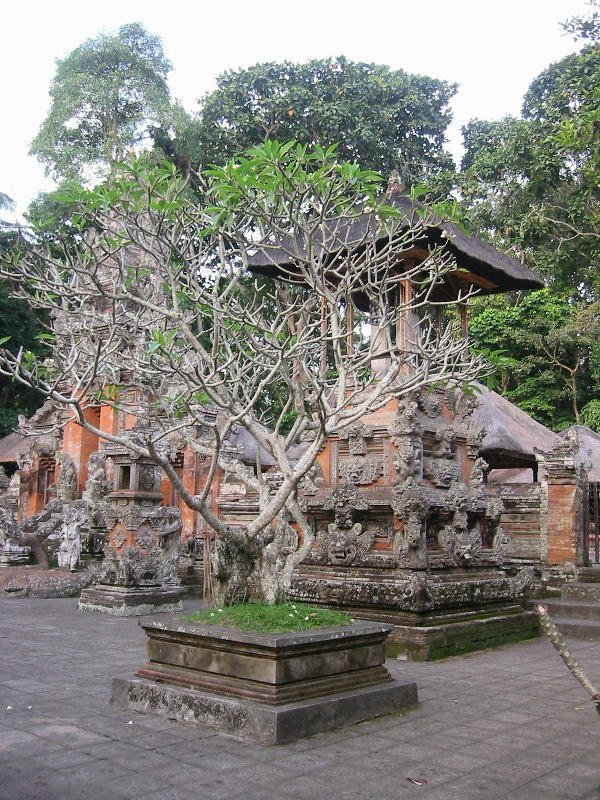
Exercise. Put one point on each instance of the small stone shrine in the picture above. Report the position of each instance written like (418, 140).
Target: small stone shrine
(139, 571)
(404, 533)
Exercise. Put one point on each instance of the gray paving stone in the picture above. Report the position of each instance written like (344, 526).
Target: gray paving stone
(499, 724)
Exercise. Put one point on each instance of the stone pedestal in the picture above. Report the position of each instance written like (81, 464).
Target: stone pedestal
(126, 601)
(13, 554)
(270, 688)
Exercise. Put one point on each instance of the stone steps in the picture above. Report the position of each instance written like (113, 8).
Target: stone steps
(589, 574)
(578, 609)
(577, 613)
(588, 629)
(584, 592)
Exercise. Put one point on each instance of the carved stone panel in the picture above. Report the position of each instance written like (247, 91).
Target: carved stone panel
(360, 470)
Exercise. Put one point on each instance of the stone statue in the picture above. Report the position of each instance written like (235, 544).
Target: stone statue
(67, 480)
(69, 551)
(8, 525)
(96, 486)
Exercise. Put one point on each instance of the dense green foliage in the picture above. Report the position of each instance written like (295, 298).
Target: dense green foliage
(382, 119)
(555, 345)
(533, 186)
(19, 326)
(279, 618)
(533, 183)
(105, 95)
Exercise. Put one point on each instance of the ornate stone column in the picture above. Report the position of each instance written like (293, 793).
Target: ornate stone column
(139, 571)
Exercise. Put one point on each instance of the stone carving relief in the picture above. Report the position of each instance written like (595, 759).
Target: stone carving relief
(344, 546)
(442, 444)
(415, 593)
(411, 505)
(441, 472)
(430, 403)
(461, 543)
(478, 472)
(464, 405)
(313, 480)
(145, 539)
(524, 580)
(406, 421)
(407, 463)
(132, 566)
(147, 478)
(356, 435)
(475, 437)
(96, 486)
(343, 501)
(69, 551)
(118, 538)
(361, 470)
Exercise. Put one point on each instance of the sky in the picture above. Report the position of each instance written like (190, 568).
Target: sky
(493, 50)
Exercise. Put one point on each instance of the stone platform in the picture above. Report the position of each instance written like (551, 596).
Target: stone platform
(271, 688)
(260, 722)
(436, 635)
(121, 601)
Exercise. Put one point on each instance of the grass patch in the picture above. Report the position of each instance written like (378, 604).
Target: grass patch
(280, 618)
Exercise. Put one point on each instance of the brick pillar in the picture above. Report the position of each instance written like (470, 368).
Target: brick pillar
(566, 478)
(79, 443)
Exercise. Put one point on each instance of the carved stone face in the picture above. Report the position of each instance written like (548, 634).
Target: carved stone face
(147, 478)
(343, 546)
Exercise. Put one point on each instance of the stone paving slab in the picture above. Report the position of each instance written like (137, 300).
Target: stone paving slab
(510, 723)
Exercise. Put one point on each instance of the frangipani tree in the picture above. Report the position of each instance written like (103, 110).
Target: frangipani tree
(160, 287)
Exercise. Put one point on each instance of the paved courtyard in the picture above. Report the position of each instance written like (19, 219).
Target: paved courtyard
(509, 723)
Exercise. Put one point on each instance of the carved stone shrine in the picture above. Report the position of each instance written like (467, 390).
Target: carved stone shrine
(404, 533)
(139, 572)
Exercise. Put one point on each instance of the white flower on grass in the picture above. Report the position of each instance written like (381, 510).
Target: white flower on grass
(305, 617)
(290, 615)
(212, 613)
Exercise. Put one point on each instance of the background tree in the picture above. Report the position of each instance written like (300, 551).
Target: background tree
(19, 327)
(156, 289)
(533, 184)
(105, 96)
(381, 118)
(554, 344)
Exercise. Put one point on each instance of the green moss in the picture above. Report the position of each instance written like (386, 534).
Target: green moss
(280, 618)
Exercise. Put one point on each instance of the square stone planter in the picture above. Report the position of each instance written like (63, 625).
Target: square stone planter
(269, 687)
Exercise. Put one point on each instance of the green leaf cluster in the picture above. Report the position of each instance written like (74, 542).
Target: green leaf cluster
(105, 96)
(381, 119)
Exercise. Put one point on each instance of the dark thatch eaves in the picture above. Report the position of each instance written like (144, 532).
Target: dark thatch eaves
(512, 436)
(10, 448)
(490, 269)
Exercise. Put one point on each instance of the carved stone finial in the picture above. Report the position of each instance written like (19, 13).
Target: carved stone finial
(396, 184)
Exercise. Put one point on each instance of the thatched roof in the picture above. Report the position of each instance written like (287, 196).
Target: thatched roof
(10, 447)
(512, 436)
(500, 272)
(589, 448)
